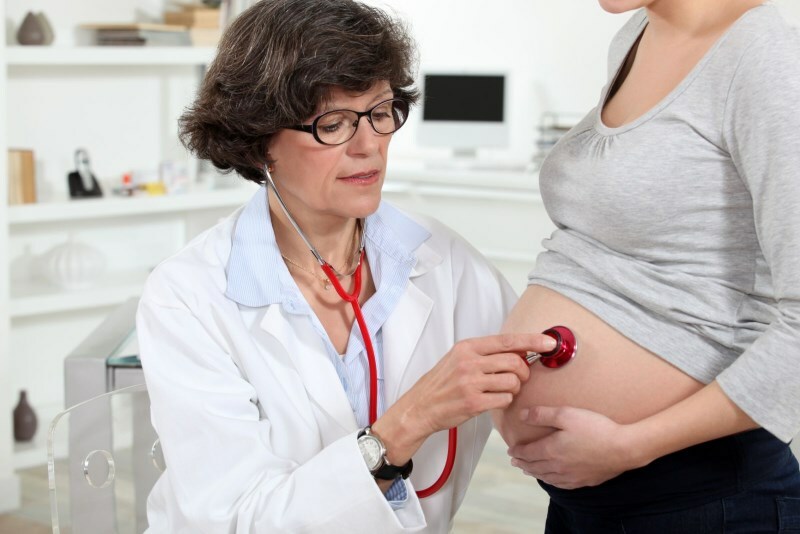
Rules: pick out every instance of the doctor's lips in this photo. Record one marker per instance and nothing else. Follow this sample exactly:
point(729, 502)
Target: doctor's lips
point(362, 178)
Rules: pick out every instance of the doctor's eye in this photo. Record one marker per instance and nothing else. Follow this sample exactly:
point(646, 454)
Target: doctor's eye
point(331, 122)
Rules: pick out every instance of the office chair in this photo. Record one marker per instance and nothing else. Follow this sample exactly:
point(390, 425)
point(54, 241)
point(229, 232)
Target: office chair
point(103, 457)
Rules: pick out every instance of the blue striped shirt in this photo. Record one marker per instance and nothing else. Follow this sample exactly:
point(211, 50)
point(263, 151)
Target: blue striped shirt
point(257, 276)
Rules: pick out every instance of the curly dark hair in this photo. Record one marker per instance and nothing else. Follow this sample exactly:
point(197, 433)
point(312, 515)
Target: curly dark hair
point(278, 62)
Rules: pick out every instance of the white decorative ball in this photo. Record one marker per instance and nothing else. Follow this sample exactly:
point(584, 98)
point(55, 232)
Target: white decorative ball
point(72, 265)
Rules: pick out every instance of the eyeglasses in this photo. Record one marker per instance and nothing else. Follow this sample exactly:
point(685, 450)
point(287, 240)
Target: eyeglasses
point(339, 126)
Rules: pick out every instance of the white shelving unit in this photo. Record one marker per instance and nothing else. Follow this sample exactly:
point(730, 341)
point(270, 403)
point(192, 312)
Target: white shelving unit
point(139, 89)
point(111, 207)
point(107, 55)
point(34, 297)
point(35, 305)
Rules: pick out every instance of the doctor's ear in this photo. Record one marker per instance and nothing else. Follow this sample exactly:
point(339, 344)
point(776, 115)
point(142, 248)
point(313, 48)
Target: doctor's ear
point(270, 162)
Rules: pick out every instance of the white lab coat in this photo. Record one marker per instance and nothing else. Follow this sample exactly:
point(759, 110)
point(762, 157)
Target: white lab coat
point(257, 432)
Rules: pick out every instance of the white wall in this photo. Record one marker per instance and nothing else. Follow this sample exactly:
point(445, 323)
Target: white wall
point(554, 50)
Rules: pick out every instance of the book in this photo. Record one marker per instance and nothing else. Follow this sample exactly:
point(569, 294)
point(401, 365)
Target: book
point(21, 176)
point(140, 34)
point(142, 38)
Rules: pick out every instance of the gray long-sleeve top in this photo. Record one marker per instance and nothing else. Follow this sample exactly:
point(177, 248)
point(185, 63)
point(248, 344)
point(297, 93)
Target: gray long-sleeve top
point(681, 229)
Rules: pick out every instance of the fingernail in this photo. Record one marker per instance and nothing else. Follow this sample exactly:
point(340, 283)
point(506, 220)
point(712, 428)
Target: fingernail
point(523, 414)
point(550, 343)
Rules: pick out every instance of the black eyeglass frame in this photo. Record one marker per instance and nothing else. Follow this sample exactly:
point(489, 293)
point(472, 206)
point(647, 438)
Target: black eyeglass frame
point(312, 128)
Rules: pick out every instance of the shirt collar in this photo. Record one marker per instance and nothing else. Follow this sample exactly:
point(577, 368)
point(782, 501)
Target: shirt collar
point(256, 273)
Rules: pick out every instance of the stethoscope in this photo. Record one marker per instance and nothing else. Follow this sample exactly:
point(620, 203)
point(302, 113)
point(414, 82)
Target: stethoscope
point(566, 344)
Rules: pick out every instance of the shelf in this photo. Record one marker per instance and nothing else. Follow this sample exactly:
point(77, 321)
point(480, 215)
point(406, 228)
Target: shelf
point(109, 55)
point(37, 298)
point(112, 207)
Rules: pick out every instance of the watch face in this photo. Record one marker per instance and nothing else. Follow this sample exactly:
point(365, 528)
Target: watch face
point(371, 450)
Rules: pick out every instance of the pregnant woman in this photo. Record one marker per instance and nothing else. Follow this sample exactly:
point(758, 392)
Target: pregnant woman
point(676, 262)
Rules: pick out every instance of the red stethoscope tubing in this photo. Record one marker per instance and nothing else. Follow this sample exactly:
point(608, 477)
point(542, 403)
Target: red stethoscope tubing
point(352, 298)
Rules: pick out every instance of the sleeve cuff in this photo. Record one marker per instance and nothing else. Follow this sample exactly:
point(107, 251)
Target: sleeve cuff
point(397, 495)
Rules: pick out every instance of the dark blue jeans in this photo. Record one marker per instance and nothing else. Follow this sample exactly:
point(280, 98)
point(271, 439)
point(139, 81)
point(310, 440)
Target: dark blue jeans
point(748, 483)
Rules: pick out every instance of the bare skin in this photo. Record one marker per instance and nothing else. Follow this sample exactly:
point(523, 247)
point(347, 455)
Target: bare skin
point(611, 374)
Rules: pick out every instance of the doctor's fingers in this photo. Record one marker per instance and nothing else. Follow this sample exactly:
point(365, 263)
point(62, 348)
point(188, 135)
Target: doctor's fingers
point(510, 342)
point(507, 362)
point(501, 382)
point(493, 401)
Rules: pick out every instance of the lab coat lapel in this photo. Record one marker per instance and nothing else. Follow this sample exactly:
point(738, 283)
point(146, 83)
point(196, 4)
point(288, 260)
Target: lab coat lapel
point(307, 353)
point(401, 334)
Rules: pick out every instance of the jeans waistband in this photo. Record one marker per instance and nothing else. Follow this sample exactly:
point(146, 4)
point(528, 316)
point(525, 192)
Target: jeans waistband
point(690, 477)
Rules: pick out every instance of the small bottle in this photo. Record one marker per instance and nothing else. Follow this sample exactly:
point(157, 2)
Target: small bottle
point(24, 419)
point(127, 184)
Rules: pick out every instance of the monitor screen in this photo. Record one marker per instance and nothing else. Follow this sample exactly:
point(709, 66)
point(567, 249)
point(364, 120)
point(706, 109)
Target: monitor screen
point(455, 97)
point(464, 111)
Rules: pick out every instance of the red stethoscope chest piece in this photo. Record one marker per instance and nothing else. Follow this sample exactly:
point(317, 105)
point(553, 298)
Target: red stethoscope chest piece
point(566, 348)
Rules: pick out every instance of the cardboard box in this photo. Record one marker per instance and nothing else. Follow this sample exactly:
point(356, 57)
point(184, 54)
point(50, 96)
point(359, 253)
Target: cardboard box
point(21, 176)
point(193, 18)
point(205, 36)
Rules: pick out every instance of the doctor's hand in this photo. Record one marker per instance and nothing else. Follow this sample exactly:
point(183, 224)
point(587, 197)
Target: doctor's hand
point(585, 449)
point(475, 376)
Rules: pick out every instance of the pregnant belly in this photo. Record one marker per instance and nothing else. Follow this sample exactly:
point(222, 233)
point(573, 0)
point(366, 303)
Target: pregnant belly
point(611, 374)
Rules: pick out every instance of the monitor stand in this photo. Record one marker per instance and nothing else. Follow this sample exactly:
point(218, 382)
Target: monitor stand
point(466, 159)
point(465, 154)
point(460, 159)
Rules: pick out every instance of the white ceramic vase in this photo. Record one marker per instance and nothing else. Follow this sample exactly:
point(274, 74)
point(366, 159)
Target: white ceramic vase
point(72, 265)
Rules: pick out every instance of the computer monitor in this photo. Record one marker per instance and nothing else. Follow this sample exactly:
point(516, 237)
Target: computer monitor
point(464, 111)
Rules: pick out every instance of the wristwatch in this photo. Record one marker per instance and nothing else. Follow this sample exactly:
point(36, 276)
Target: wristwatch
point(374, 452)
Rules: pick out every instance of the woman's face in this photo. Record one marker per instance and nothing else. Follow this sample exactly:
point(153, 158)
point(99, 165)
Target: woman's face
point(341, 181)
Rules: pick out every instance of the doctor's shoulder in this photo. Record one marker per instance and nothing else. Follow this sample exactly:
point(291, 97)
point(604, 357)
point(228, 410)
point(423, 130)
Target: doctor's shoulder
point(196, 272)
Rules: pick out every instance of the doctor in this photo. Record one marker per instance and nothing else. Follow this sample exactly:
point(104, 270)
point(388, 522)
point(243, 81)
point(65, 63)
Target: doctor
point(257, 369)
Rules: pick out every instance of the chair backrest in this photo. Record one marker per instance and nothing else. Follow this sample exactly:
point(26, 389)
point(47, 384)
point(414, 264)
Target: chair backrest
point(103, 457)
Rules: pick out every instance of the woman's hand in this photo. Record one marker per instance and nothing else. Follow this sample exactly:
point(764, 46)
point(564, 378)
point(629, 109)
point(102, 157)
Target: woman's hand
point(586, 449)
point(477, 375)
